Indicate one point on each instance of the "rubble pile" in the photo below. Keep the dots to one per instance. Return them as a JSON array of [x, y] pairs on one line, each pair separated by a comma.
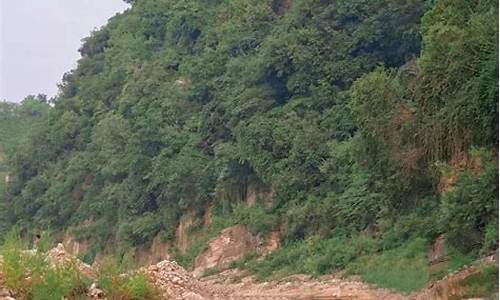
[[175, 282], [5, 294], [58, 256]]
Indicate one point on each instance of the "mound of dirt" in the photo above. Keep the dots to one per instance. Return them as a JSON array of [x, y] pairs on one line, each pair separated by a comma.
[[59, 256], [175, 282]]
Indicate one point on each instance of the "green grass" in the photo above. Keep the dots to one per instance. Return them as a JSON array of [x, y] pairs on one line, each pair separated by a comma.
[[133, 286], [314, 256], [404, 269], [483, 284], [458, 259], [58, 283], [31, 276]]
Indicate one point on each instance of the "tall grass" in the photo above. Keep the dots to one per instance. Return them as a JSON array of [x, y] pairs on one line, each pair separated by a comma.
[[119, 285], [30, 275]]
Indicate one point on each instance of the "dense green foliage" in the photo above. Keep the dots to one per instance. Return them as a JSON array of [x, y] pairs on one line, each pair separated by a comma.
[[343, 109], [17, 122]]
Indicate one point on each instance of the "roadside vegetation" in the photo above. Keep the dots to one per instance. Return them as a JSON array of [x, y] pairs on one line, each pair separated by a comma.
[[31, 276]]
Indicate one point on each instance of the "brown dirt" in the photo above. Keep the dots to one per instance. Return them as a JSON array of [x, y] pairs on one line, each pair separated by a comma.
[[236, 285], [231, 244]]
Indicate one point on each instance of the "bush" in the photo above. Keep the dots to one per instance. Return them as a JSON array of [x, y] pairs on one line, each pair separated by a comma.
[[256, 218], [471, 208], [13, 267], [58, 283], [490, 241]]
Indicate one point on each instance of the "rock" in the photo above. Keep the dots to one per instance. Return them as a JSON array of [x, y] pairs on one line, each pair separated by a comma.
[[174, 281], [95, 293], [58, 256], [192, 296], [438, 251], [5, 292], [233, 243], [182, 231]]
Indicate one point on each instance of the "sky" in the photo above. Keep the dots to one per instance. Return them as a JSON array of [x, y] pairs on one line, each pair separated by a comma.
[[39, 41]]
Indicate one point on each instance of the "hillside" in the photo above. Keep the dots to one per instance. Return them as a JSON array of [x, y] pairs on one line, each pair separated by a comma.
[[17, 122], [353, 136]]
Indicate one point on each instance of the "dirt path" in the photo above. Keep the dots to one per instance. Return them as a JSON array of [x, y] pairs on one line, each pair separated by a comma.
[[239, 285], [235, 285]]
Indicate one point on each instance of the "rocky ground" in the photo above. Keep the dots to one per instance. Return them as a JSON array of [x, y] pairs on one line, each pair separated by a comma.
[[176, 283], [235, 284]]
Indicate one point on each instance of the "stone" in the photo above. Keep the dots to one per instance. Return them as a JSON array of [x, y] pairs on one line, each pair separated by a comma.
[[192, 296], [232, 244], [94, 292], [5, 292]]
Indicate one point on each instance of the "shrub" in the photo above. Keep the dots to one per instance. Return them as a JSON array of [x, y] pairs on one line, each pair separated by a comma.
[[13, 267], [490, 237], [58, 283], [256, 218], [471, 206]]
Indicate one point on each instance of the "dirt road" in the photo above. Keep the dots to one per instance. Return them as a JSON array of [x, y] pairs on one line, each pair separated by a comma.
[[236, 285]]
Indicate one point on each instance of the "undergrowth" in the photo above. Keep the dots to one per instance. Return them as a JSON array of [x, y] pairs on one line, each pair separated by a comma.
[[404, 268], [32, 277], [133, 286], [484, 284]]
